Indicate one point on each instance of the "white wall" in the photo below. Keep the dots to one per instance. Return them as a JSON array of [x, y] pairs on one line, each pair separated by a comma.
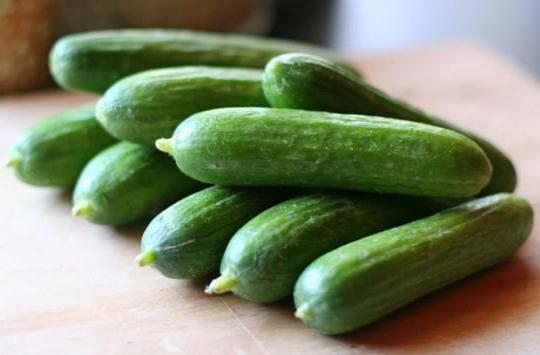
[[511, 26]]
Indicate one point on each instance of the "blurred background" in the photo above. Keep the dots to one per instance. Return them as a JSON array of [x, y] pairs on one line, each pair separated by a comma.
[[28, 27]]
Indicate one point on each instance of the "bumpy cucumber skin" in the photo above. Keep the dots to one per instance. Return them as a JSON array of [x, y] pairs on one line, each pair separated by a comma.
[[280, 147], [266, 256], [93, 61], [149, 105], [128, 181], [189, 237], [55, 150], [307, 82], [365, 280]]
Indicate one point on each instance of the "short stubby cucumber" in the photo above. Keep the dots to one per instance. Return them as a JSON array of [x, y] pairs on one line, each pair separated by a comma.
[[93, 61], [280, 147], [55, 150], [187, 239], [126, 182], [304, 81], [265, 257], [365, 280], [146, 106]]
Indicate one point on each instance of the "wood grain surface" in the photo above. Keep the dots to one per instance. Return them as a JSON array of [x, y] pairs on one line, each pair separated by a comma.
[[70, 287]]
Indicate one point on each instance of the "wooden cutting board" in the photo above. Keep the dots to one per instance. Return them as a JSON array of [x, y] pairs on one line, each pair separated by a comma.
[[69, 287]]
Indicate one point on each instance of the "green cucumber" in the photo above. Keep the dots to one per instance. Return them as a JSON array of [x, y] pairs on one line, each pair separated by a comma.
[[54, 151], [187, 239], [93, 61], [265, 257], [307, 82], [365, 280], [126, 182], [146, 106], [280, 147]]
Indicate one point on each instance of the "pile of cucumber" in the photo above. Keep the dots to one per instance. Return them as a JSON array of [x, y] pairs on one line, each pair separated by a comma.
[[281, 168]]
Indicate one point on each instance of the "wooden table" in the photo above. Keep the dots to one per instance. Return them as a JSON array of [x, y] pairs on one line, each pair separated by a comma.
[[70, 287]]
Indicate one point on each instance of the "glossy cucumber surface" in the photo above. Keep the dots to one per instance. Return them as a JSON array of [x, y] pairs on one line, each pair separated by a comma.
[[265, 257], [93, 61], [146, 106], [304, 81], [281, 147], [54, 151], [126, 182], [187, 239], [365, 280]]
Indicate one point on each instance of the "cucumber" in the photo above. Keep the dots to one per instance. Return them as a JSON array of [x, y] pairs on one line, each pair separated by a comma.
[[93, 61], [187, 239], [303, 81], [365, 280], [55, 150], [280, 147], [265, 257], [126, 182], [149, 105]]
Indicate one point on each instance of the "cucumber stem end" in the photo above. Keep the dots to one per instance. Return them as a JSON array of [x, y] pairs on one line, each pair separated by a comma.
[[145, 258], [81, 209], [302, 312], [164, 145], [13, 162], [222, 284]]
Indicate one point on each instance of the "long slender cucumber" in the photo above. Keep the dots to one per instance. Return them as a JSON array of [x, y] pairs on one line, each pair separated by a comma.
[[54, 151], [279, 147], [304, 81], [93, 61], [365, 280], [126, 182], [187, 239], [149, 105], [265, 257]]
